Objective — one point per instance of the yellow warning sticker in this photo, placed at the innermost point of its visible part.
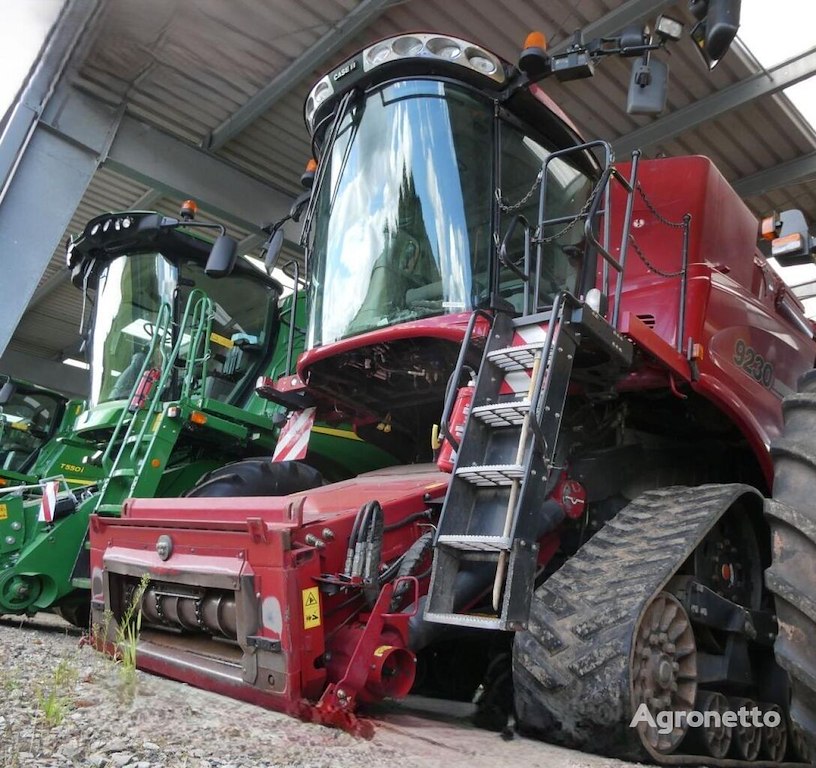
(311, 608)
(222, 340)
(382, 650)
(3, 512)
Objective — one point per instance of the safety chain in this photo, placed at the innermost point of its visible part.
(570, 224)
(663, 220)
(536, 239)
(655, 213)
(651, 267)
(510, 207)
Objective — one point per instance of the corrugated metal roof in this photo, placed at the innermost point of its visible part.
(185, 66)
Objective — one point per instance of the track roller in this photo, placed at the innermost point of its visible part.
(712, 738)
(747, 738)
(774, 741)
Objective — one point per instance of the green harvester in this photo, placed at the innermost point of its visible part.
(180, 331)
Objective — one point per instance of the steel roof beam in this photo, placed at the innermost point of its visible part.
(145, 201)
(165, 164)
(626, 14)
(38, 166)
(71, 381)
(791, 172)
(331, 43)
(756, 86)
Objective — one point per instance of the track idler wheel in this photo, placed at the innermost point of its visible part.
(774, 741)
(664, 670)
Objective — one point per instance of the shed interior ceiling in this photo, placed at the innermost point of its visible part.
(187, 66)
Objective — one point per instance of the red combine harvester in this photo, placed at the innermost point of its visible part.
(605, 350)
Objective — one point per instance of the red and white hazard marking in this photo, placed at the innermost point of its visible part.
(293, 440)
(49, 501)
(518, 382)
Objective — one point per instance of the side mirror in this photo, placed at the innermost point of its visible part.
(7, 390)
(648, 87)
(223, 256)
(716, 29)
(273, 249)
(791, 242)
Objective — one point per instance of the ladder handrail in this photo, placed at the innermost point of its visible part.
(198, 317)
(160, 330)
(450, 394)
(537, 387)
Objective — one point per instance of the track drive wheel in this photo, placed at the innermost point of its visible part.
(792, 575)
(257, 477)
(664, 670)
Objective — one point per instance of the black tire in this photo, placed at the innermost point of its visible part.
(792, 575)
(78, 614)
(257, 477)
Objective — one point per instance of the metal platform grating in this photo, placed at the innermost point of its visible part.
(507, 414)
(518, 358)
(476, 543)
(466, 620)
(491, 474)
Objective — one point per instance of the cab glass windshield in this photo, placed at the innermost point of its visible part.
(131, 291)
(27, 420)
(402, 219)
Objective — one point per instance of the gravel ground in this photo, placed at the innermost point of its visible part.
(63, 705)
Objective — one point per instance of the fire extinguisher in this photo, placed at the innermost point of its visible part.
(461, 408)
(149, 378)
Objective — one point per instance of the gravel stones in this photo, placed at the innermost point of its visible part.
(62, 706)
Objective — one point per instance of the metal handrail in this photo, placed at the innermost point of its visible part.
(450, 395)
(198, 317)
(160, 330)
(538, 385)
(290, 343)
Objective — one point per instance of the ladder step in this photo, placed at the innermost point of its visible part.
(123, 472)
(507, 414)
(491, 474)
(518, 358)
(467, 620)
(476, 543)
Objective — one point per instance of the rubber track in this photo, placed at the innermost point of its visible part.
(571, 668)
(792, 575)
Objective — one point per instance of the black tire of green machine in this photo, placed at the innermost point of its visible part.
(257, 477)
(77, 614)
(792, 575)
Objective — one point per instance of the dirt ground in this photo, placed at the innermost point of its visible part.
(62, 704)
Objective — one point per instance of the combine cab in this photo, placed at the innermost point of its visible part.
(604, 350)
(30, 416)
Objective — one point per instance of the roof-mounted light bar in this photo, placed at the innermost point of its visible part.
(416, 46)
